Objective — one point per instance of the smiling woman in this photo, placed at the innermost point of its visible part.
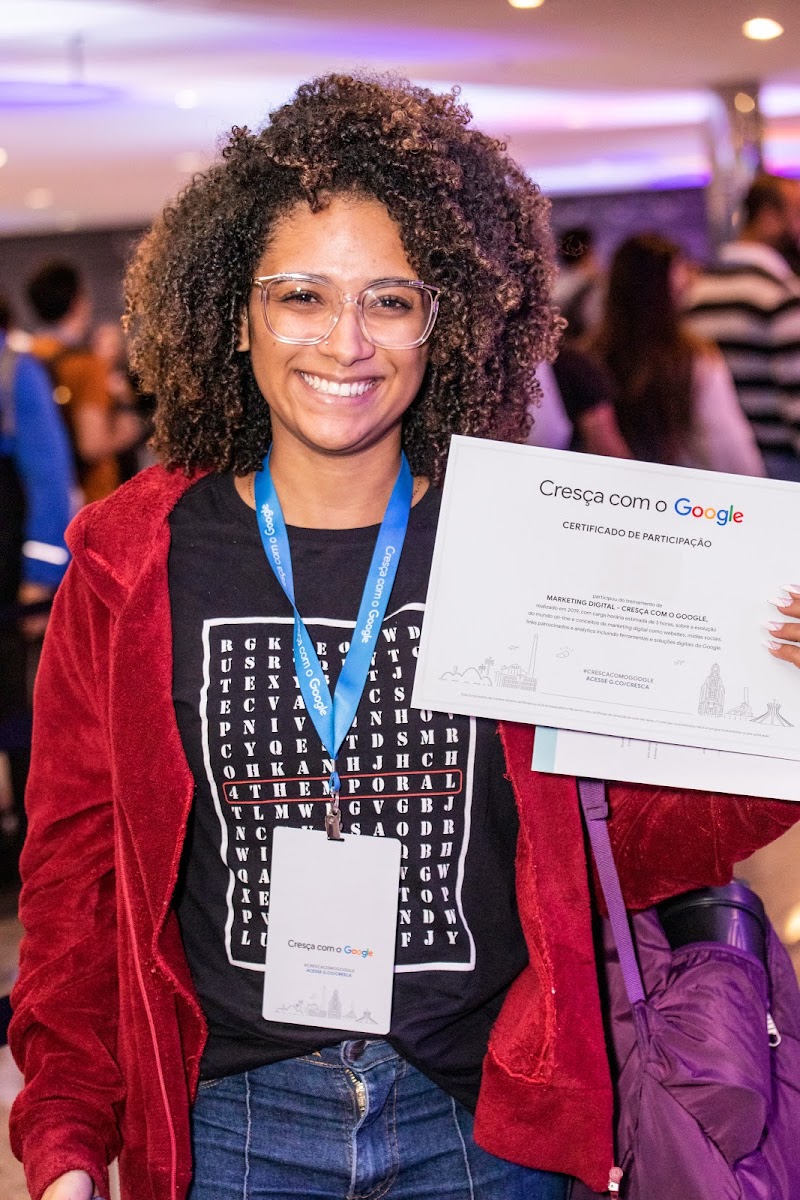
(317, 314)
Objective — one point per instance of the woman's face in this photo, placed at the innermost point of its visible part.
(352, 243)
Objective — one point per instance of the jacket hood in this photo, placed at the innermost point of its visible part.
(111, 539)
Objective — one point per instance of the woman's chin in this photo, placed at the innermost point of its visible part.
(340, 438)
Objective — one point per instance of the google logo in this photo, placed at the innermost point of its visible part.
(722, 516)
(360, 953)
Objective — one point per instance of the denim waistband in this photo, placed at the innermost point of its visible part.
(357, 1054)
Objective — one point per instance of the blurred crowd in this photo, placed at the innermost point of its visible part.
(662, 360)
(72, 427)
(668, 361)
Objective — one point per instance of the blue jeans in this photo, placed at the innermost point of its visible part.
(353, 1122)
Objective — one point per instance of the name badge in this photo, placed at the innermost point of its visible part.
(332, 929)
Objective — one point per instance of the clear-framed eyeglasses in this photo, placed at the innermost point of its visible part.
(395, 314)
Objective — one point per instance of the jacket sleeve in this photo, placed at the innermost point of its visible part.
(44, 462)
(667, 841)
(63, 1032)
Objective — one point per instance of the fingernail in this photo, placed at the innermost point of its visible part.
(774, 626)
(781, 601)
(773, 647)
(793, 588)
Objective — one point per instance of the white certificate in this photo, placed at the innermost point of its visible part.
(613, 597)
(332, 926)
(598, 756)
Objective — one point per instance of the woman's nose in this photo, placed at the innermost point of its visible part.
(347, 342)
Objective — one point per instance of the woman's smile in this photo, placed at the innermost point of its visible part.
(340, 388)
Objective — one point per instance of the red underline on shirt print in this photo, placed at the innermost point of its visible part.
(452, 777)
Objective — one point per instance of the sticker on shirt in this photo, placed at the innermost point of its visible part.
(406, 774)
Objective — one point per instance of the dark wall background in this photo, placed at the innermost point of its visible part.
(102, 254)
(678, 214)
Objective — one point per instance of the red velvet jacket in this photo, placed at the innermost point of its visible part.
(107, 1027)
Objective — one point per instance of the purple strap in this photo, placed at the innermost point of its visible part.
(592, 794)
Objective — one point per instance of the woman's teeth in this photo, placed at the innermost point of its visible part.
(357, 388)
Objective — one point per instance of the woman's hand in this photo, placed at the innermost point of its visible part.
(788, 631)
(75, 1185)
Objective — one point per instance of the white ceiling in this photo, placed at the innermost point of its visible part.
(596, 95)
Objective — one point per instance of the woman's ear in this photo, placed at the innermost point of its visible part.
(243, 340)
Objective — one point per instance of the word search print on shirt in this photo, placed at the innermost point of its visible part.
(406, 773)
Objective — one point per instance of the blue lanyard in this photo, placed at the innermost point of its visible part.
(333, 717)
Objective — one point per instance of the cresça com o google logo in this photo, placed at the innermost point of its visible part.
(723, 516)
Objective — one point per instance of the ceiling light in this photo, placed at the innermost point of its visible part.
(743, 102)
(3, 157)
(41, 93)
(526, 3)
(186, 98)
(40, 197)
(762, 29)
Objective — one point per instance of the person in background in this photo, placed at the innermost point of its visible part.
(38, 487)
(749, 304)
(98, 431)
(108, 342)
(675, 400)
(576, 410)
(578, 287)
(36, 483)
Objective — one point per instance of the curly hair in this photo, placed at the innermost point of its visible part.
(471, 223)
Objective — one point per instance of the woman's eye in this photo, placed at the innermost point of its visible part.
(391, 303)
(303, 299)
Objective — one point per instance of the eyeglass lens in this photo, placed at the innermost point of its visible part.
(392, 315)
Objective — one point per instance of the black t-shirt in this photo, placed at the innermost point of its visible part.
(435, 781)
(583, 381)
